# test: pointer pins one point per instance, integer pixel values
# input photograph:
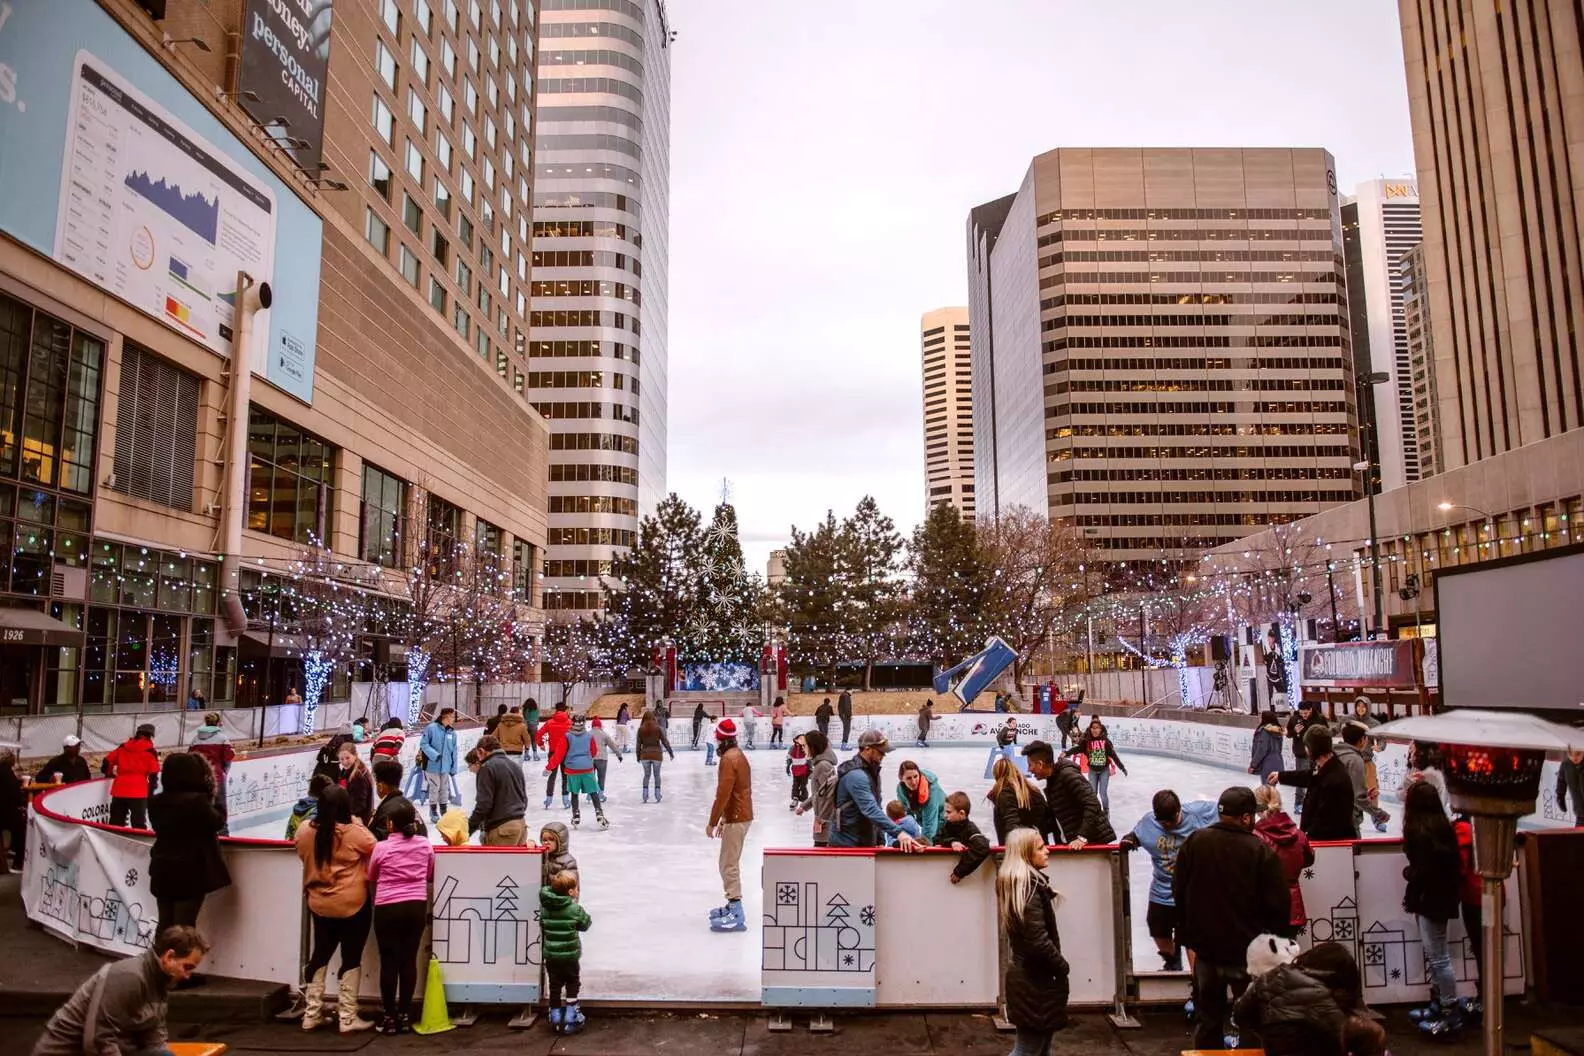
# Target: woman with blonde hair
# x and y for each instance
(1036, 976)
(1017, 804)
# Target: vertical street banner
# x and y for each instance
(281, 78)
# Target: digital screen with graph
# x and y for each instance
(155, 214)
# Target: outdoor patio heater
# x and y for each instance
(1492, 762)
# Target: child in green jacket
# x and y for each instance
(560, 920)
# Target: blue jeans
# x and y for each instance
(1433, 933)
(1031, 1043)
(651, 766)
(1100, 778)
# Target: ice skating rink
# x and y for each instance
(650, 880)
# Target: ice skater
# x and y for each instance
(844, 712)
(577, 762)
(1162, 833)
(1095, 750)
(1005, 740)
(652, 740)
(926, 716)
(531, 717)
(606, 748)
(778, 714)
(437, 754)
(552, 738)
(730, 816)
(797, 767)
(700, 717)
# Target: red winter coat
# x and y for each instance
(1470, 888)
(1292, 848)
(132, 765)
(554, 730)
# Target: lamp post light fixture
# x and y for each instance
(1492, 763)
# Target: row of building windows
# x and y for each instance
(1200, 341)
(49, 399)
(1284, 297)
(581, 229)
(584, 288)
(1187, 234)
(1205, 319)
(600, 85)
(583, 349)
(612, 114)
(564, 568)
(578, 199)
(562, 472)
(1202, 498)
(1192, 385)
(1164, 407)
(1081, 276)
(573, 409)
(1166, 256)
(594, 504)
(1201, 451)
(590, 141)
(625, 7)
(627, 445)
(584, 172)
(1065, 215)
(585, 258)
(583, 317)
(1157, 544)
(1148, 520)
(1135, 364)
(1204, 473)
(565, 600)
(612, 30)
(591, 57)
(593, 537)
(1196, 429)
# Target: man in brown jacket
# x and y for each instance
(729, 819)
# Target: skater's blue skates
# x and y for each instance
(572, 1022)
(731, 920)
(709, 754)
(566, 801)
(555, 1020)
(547, 802)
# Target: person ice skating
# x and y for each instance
(360, 729)
(926, 717)
(748, 724)
(652, 741)
(561, 918)
(1036, 974)
(1161, 833)
(923, 797)
(822, 717)
(512, 732)
(576, 761)
(778, 714)
(328, 761)
(334, 848)
(1265, 755)
(437, 754)
(552, 737)
(730, 816)
(623, 721)
(1328, 812)
(1294, 1008)
(493, 723)
(797, 768)
(1067, 724)
(605, 747)
(354, 776)
(133, 768)
(700, 717)
(860, 821)
(184, 864)
(1570, 782)
(307, 806)
(500, 797)
(1282, 835)
(1073, 815)
(962, 836)
(1434, 872)
(400, 869)
(1094, 747)
(387, 786)
(1362, 772)
(844, 712)
(556, 839)
(120, 1010)
(67, 768)
(210, 743)
(531, 720)
(1228, 887)
(1298, 723)
(820, 796)
(388, 742)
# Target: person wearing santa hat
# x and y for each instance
(729, 819)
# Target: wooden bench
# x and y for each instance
(196, 1048)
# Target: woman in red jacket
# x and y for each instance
(1282, 835)
(134, 766)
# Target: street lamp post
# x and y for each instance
(1367, 466)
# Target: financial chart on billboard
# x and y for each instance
(156, 215)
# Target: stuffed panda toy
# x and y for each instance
(1269, 951)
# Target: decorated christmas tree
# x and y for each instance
(726, 626)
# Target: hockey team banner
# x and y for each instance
(1359, 665)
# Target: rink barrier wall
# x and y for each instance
(915, 939)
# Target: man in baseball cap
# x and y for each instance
(730, 817)
(860, 819)
(67, 768)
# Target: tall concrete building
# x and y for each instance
(1414, 288)
(597, 341)
(1380, 223)
(1160, 346)
(1496, 97)
(948, 410)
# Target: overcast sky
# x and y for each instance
(825, 154)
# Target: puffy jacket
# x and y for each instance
(1036, 975)
(1008, 815)
(1229, 887)
(1073, 809)
(560, 920)
(733, 789)
(552, 735)
(576, 755)
(556, 839)
(512, 732)
(1265, 758)
(821, 794)
(860, 819)
(1296, 725)
(1293, 1012)
(185, 860)
(1469, 886)
(1354, 763)
(359, 784)
(67, 768)
(1434, 873)
(502, 793)
(933, 808)
(439, 746)
(975, 847)
(211, 744)
(134, 766)
(1292, 849)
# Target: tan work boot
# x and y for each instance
(313, 1001)
(347, 1003)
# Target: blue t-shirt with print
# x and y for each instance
(1163, 844)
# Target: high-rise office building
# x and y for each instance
(1414, 288)
(1493, 94)
(1160, 346)
(948, 410)
(1380, 223)
(597, 340)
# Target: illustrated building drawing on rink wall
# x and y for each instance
(107, 918)
(482, 929)
(796, 940)
(1392, 957)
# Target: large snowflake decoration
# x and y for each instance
(1309, 874)
(867, 916)
(131, 877)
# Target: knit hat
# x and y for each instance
(579, 723)
(725, 728)
(145, 730)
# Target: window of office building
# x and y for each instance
(522, 569)
(379, 175)
(49, 399)
(380, 528)
(420, 62)
(376, 231)
(156, 429)
(384, 121)
(443, 537)
(291, 480)
(385, 64)
(390, 14)
(437, 295)
(409, 266)
(415, 161)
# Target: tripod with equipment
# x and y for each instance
(1224, 692)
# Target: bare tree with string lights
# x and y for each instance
(330, 614)
(1038, 571)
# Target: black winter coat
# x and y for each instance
(1228, 887)
(185, 861)
(1036, 975)
(1009, 816)
(1293, 1012)
(1328, 805)
(975, 847)
(1073, 808)
(1434, 873)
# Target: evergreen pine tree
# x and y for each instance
(811, 597)
(656, 589)
(726, 626)
(952, 588)
(870, 549)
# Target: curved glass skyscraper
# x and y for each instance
(597, 328)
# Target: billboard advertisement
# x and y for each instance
(1360, 665)
(109, 166)
(281, 76)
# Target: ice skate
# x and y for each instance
(566, 801)
(555, 1020)
(657, 795)
(547, 802)
(602, 821)
(572, 1022)
(646, 795)
(719, 912)
(732, 920)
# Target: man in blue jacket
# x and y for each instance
(437, 754)
(860, 819)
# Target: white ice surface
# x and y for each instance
(650, 880)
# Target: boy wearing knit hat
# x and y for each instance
(575, 757)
